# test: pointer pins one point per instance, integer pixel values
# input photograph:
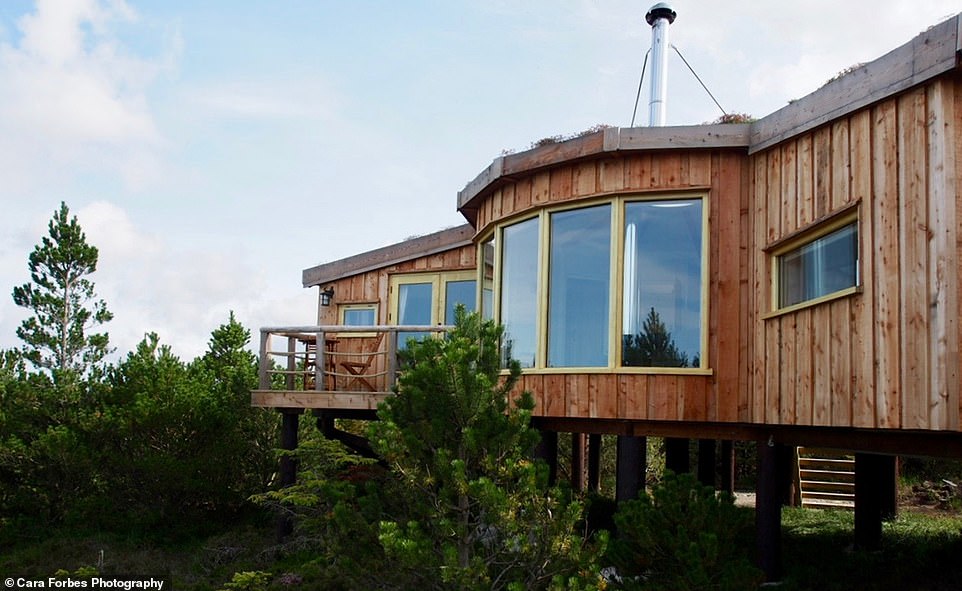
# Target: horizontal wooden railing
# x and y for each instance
(307, 357)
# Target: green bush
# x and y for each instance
(682, 536)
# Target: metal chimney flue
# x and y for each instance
(659, 16)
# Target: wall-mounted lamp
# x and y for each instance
(326, 296)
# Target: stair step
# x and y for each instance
(827, 461)
(807, 474)
(823, 452)
(822, 504)
(819, 494)
(828, 485)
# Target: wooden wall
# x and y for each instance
(372, 286)
(887, 357)
(724, 176)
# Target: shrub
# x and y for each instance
(682, 536)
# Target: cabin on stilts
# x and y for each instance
(793, 281)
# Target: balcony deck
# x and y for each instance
(355, 369)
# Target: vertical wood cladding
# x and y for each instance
(886, 357)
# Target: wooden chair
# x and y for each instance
(360, 371)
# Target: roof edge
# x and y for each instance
(388, 255)
(929, 54)
(598, 143)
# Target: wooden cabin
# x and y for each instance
(805, 265)
(793, 281)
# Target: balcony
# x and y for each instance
(330, 367)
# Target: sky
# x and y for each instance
(213, 150)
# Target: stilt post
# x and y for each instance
(768, 512)
(676, 455)
(632, 462)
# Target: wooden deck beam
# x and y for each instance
(324, 400)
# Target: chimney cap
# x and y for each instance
(661, 10)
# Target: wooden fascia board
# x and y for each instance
(930, 54)
(389, 255)
(599, 144)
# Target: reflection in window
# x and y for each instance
(415, 303)
(519, 292)
(579, 273)
(823, 266)
(662, 284)
(458, 292)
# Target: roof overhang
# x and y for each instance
(599, 144)
(393, 254)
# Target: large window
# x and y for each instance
(615, 283)
(662, 309)
(579, 287)
(819, 267)
(519, 291)
(427, 299)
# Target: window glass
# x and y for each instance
(823, 266)
(579, 286)
(458, 292)
(487, 289)
(519, 292)
(359, 316)
(662, 290)
(415, 302)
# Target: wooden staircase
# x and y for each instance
(826, 478)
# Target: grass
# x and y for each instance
(919, 552)
(200, 564)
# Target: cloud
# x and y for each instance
(181, 291)
(74, 96)
(301, 99)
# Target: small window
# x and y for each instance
(825, 266)
(358, 315)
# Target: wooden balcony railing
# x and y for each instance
(330, 366)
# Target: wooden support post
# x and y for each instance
(547, 450)
(392, 373)
(263, 377)
(320, 362)
(578, 461)
(768, 512)
(291, 362)
(706, 462)
(787, 473)
(889, 487)
(676, 455)
(632, 463)
(870, 477)
(728, 466)
(288, 465)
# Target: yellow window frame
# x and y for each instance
(616, 288)
(438, 281)
(818, 229)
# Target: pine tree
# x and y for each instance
(63, 302)
(483, 516)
